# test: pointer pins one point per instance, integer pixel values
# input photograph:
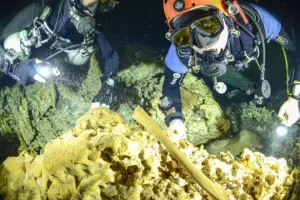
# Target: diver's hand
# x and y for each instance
(177, 128)
(106, 95)
(289, 112)
(33, 72)
(25, 71)
(42, 71)
(98, 105)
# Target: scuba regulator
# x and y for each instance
(82, 17)
(18, 45)
(215, 65)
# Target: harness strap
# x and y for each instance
(241, 12)
(238, 11)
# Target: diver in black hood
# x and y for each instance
(38, 36)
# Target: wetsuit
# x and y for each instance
(177, 60)
(22, 71)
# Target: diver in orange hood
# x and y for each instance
(217, 39)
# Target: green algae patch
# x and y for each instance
(39, 113)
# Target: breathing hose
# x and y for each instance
(53, 33)
(58, 15)
(263, 44)
(62, 50)
(245, 29)
(286, 70)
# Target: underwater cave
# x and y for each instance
(72, 76)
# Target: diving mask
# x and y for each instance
(203, 31)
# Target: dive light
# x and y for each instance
(44, 71)
(282, 130)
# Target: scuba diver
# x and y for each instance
(39, 38)
(217, 39)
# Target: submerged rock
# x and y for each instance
(39, 113)
(236, 144)
(203, 116)
(104, 158)
(260, 120)
(263, 121)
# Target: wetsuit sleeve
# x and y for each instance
(174, 75)
(110, 56)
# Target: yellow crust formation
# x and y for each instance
(105, 158)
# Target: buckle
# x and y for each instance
(235, 32)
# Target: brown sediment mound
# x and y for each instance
(105, 158)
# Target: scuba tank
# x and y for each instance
(13, 47)
(79, 56)
(18, 45)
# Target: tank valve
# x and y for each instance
(232, 8)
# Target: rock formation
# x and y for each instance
(103, 157)
(39, 113)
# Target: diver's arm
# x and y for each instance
(171, 104)
(289, 112)
(174, 75)
(286, 42)
(111, 66)
(171, 100)
(275, 31)
(110, 56)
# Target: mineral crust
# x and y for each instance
(103, 157)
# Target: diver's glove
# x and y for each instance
(289, 112)
(178, 130)
(20, 71)
(106, 95)
(32, 70)
(43, 71)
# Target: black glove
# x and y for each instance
(24, 72)
(106, 95)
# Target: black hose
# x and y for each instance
(245, 29)
(62, 50)
(262, 39)
(57, 18)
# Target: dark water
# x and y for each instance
(142, 22)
